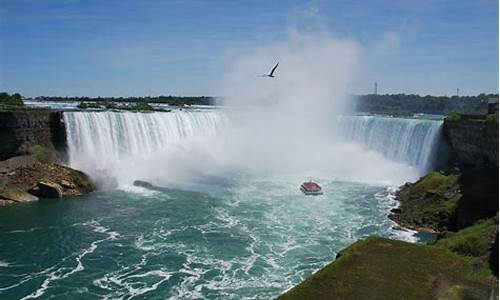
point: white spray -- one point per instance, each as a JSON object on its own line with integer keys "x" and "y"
{"x": 275, "y": 126}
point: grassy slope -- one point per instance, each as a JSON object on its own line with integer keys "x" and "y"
{"x": 430, "y": 202}
{"x": 378, "y": 268}
{"x": 442, "y": 190}
{"x": 474, "y": 241}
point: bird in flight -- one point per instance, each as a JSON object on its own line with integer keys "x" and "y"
{"x": 272, "y": 71}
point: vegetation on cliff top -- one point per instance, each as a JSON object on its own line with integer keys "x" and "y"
{"x": 136, "y": 107}
{"x": 474, "y": 241}
{"x": 493, "y": 118}
{"x": 170, "y": 100}
{"x": 14, "y": 99}
{"x": 430, "y": 203}
{"x": 378, "y": 268}
{"x": 455, "y": 117}
{"x": 448, "y": 202}
{"x": 410, "y": 104}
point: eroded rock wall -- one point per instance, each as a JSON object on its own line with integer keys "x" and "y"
{"x": 22, "y": 129}
{"x": 473, "y": 142}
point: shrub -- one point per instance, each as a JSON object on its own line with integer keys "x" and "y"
{"x": 493, "y": 118}
{"x": 142, "y": 106}
{"x": 14, "y": 99}
{"x": 453, "y": 117}
{"x": 110, "y": 105}
{"x": 42, "y": 154}
{"x": 83, "y": 105}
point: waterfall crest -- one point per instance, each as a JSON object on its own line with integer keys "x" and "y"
{"x": 124, "y": 146}
{"x": 99, "y": 142}
{"x": 412, "y": 141}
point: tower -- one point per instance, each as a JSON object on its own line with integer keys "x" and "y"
{"x": 375, "y": 88}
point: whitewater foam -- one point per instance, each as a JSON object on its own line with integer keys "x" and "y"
{"x": 52, "y": 274}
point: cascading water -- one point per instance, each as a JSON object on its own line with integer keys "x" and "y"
{"x": 100, "y": 142}
{"x": 126, "y": 146}
{"x": 412, "y": 141}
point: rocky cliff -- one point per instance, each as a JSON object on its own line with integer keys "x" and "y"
{"x": 22, "y": 129}
{"x": 467, "y": 191}
{"x": 439, "y": 202}
{"x": 31, "y": 142}
{"x": 473, "y": 140}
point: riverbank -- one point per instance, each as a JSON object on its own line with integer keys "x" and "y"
{"x": 460, "y": 205}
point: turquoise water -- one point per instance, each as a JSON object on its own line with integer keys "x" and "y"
{"x": 223, "y": 234}
{"x": 244, "y": 238}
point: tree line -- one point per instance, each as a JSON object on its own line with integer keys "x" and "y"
{"x": 410, "y": 104}
{"x": 170, "y": 100}
{"x": 14, "y": 99}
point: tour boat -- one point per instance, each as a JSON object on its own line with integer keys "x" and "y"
{"x": 311, "y": 188}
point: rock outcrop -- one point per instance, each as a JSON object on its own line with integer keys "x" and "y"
{"x": 26, "y": 179}
{"x": 439, "y": 202}
{"x": 469, "y": 192}
{"x": 473, "y": 140}
{"x": 31, "y": 141}
{"x": 47, "y": 189}
{"x": 23, "y": 128}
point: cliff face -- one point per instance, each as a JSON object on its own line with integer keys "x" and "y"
{"x": 31, "y": 140}
{"x": 22, "y": 129}
{"x": 474, "y": 142}
{"x": 439, "y": 202}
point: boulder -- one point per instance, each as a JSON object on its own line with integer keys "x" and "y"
{"x": 142, "y": 183}
{"x": 67, "y": 184}
{"x": 17, "y": 196}
{"x": 396, "y": 210}
{"x": 49, "y": 189}
{"x": 4, "y": 202}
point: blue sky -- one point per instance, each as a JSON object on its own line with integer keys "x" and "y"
{"x": 153, "y": 47}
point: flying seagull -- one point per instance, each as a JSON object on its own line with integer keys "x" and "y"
{"x": 272, "y": 71}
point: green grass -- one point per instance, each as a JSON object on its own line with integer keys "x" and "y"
{"x": 85, "y": 105}
{"x": 473, "y": 241}
{"x": 437, "y": 197}
{"x": 436, "y": 183}
{"x": 493, "y": 118}
{"x": 81, "y": 180}
{"x": 42, "y": 154}
{"x": 453, "y": 117}
{"x": 378, "y": 268}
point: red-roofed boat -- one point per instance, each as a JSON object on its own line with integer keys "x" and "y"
{"x": 311, "y": 188}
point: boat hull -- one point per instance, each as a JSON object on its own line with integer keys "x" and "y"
{"x": 311, "y": 192}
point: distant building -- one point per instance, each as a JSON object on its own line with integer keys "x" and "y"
{"x": 493, "y": 105}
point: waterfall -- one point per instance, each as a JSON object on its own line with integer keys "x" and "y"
{"x": 412, "y": 141}
{"x": 125, "y": 146}
{"x": 100, "y": 142}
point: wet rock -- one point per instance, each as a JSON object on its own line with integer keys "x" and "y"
{"x": 396, "y": 210}
{"x": 4, "y": 202}
{"x": 50, "y": 189}
{"x": 67, "y": 184}
{"x": 143, "y": 184}
{"x": 17, "y": 196}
